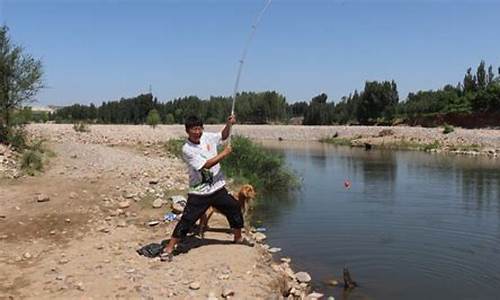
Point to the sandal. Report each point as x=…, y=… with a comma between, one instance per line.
x=165, y=256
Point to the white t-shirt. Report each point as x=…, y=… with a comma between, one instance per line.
x=203, y=181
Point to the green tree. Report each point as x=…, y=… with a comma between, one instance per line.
x=153, y=118
x=20, y=81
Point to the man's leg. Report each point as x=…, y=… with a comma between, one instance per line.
x=195, y=208
x=229, y=207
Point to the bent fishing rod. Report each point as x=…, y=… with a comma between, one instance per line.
x=243, y=57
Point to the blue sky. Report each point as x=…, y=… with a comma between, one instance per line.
x=96, y=51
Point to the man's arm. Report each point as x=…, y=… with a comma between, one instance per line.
x=216, y=159
x=227, y=129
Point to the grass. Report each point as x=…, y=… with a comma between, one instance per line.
x=34, y=157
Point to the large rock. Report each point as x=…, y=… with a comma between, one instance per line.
x=303, y=277
x=259, y=237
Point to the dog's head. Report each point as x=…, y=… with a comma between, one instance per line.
x=246, y=194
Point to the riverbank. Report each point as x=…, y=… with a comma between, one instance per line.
x=460, y=141
x=73, y=231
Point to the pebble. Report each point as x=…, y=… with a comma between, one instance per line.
x=153, y=223
x=227, y=292
x=314, y=295
x=195, y=285
x=274, y=250
x=286, y=260
x=42, y=198
x=158, y=203
x=124, y=204
x=63, y=261
x=333, y=282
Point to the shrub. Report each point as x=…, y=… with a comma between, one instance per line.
x=153, y=118
x=174, y=146
x=81, y=127
x=31, y=161
x=251, y=163
x=448, y=129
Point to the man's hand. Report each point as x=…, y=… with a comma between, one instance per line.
x=231, y=120
x=227, y=150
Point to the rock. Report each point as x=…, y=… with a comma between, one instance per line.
x=73, y=195
x=154, y=181
x=124, y=204
x=121, y=223
x=274, y=250
x=227, y=292
x=42, y=198
x=333, y=282
x=211, y=296
x=195, y=285
x=153, y=223
x=63, y=261
x=178, y=204
x=315, y=295
x=303, y=277
x=158, y=203
x=60, y=277
x=259, y=237
x=103, y=229
x=27, y=255
x=67, y=220
x=286, y=260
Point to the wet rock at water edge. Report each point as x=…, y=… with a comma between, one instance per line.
x=303, y=277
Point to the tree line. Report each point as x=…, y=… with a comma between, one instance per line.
x=377, y=103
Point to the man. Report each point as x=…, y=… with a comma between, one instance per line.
x=206, y=182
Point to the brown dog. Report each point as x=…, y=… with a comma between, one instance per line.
x=244, y=196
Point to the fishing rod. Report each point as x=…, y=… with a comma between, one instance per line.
x=244, y=54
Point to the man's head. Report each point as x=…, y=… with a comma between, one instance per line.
x=194, y=128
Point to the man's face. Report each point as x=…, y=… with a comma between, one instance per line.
x=195, y=134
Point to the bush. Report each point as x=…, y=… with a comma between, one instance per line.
x=251, y=163
x=14, y=136
x=448, y=129
x=31, y=161
x=174, y=146
x=81, y=127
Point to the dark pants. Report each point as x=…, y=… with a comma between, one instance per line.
x=197, y=205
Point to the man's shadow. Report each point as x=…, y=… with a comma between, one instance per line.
x=194, y=240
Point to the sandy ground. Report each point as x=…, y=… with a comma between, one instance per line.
x=81, y=244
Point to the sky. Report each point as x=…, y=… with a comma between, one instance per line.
x=95, y=51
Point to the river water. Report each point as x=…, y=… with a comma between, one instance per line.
x=412, y=225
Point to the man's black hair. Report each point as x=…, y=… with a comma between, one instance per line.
x=192, y=121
